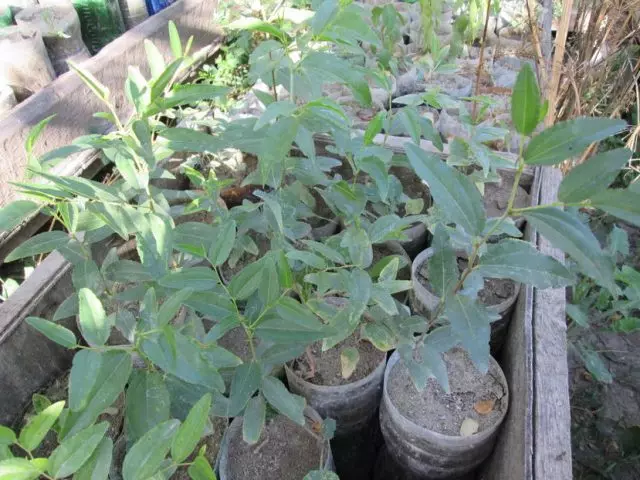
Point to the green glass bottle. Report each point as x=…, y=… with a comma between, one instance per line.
x=101, y=22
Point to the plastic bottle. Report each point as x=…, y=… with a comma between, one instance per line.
x=101, y=22
x=154, y=6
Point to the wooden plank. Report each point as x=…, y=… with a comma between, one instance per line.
x=552, y=410
x=73, y=103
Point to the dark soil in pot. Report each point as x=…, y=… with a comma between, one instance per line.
x=285, y=451
x=413, y=187
x=327, y=364
x=438, y=435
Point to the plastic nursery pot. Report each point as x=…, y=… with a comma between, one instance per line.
x=285, y=451
x=59, y=26
x=351, y=404
x=423, y=431
x=423, y=301
x=25, y=65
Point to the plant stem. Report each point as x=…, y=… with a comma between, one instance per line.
x=481, y=60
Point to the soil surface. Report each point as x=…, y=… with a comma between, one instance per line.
x=285, y=451
x=605, y=418
x=444, y=412
x=412, y=186
x=328, y=371
x=495, y=291
x=235, y=340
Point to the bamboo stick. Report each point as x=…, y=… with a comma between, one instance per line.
x=558, y=60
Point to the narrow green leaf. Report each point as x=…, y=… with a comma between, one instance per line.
x=593, y=176
x=74, y=451
x=154, y=58
x=41, y=243
x=253, y=420
x=357, y=242
x=191, y=430
x=273, y=111
x=578, y=315
x=374, y=127
x=411, y=122
x=525, y=101
x=569, y=139
x=624, y=204
x=198, y=279
x=349, y=358
x=147, y=403
x=452, y=191
x=15, y=213
x=7, y=437
x=282, y=400
x=98, y=465
x=308, y=258
x=321, y=475
x=201, y=470
x=223, y=243
x=170, y=307
x=520, y=261
x=93, y=321
x=92, y=82
x=290, y=322
x=247, y=281
x=110, y=382
x=82, y=380
x=566, y=232
x=57, y=333
x=246, y=380
x=470, y=321
x=18, y=469
x=174, y=40
x=147, y=454
x=442, y=266
x=37, y=428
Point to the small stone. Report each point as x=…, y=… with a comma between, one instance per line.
x=469, y=427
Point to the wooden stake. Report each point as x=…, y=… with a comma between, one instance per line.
x=558, y=60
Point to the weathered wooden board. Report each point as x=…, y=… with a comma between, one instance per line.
x=74, y=104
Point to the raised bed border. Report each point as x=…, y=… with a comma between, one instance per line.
x=74, y=104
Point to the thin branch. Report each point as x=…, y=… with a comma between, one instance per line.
x=481, y=59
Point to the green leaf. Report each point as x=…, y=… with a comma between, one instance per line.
x=453, y=192
x=624, y=204
x=377, y=169
x=247, y=281
x=349, y=358
x=35, y=133
x=92, y=82
x=97, y=467
x=184, y=95
x=15, y=213
x=442, y=266
x=198, y=279
x=155, y=244
x=201, y=470
x=253, y=420
x=171, y=306
x=147, y=403
x=525, y=101
x=82, y=380
x=7, y=437
x=109, y=384
x=411, y=122
x=594, y=363
x=187, y=140
x=592, y=176
x=223, y=243
x=41, y=243
x=290, y=322
x=282, y=400
x=154, y=58
x=374, y=127
x=578, y=314
x=57, y=333
x=470, y=322
x=520, y=261
x=37, y=428
x=569, y=139
x=147, y=454
x=191, y=430
x=174, y=40
x=566, y=232
x=273, y=111
x=93, y=321
x=380, y=336
x=246, y=380
x=18, y=469
x=126, y=271
x=255, y=24
x=357, y=242
x=308, y=258
x=74, y=451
